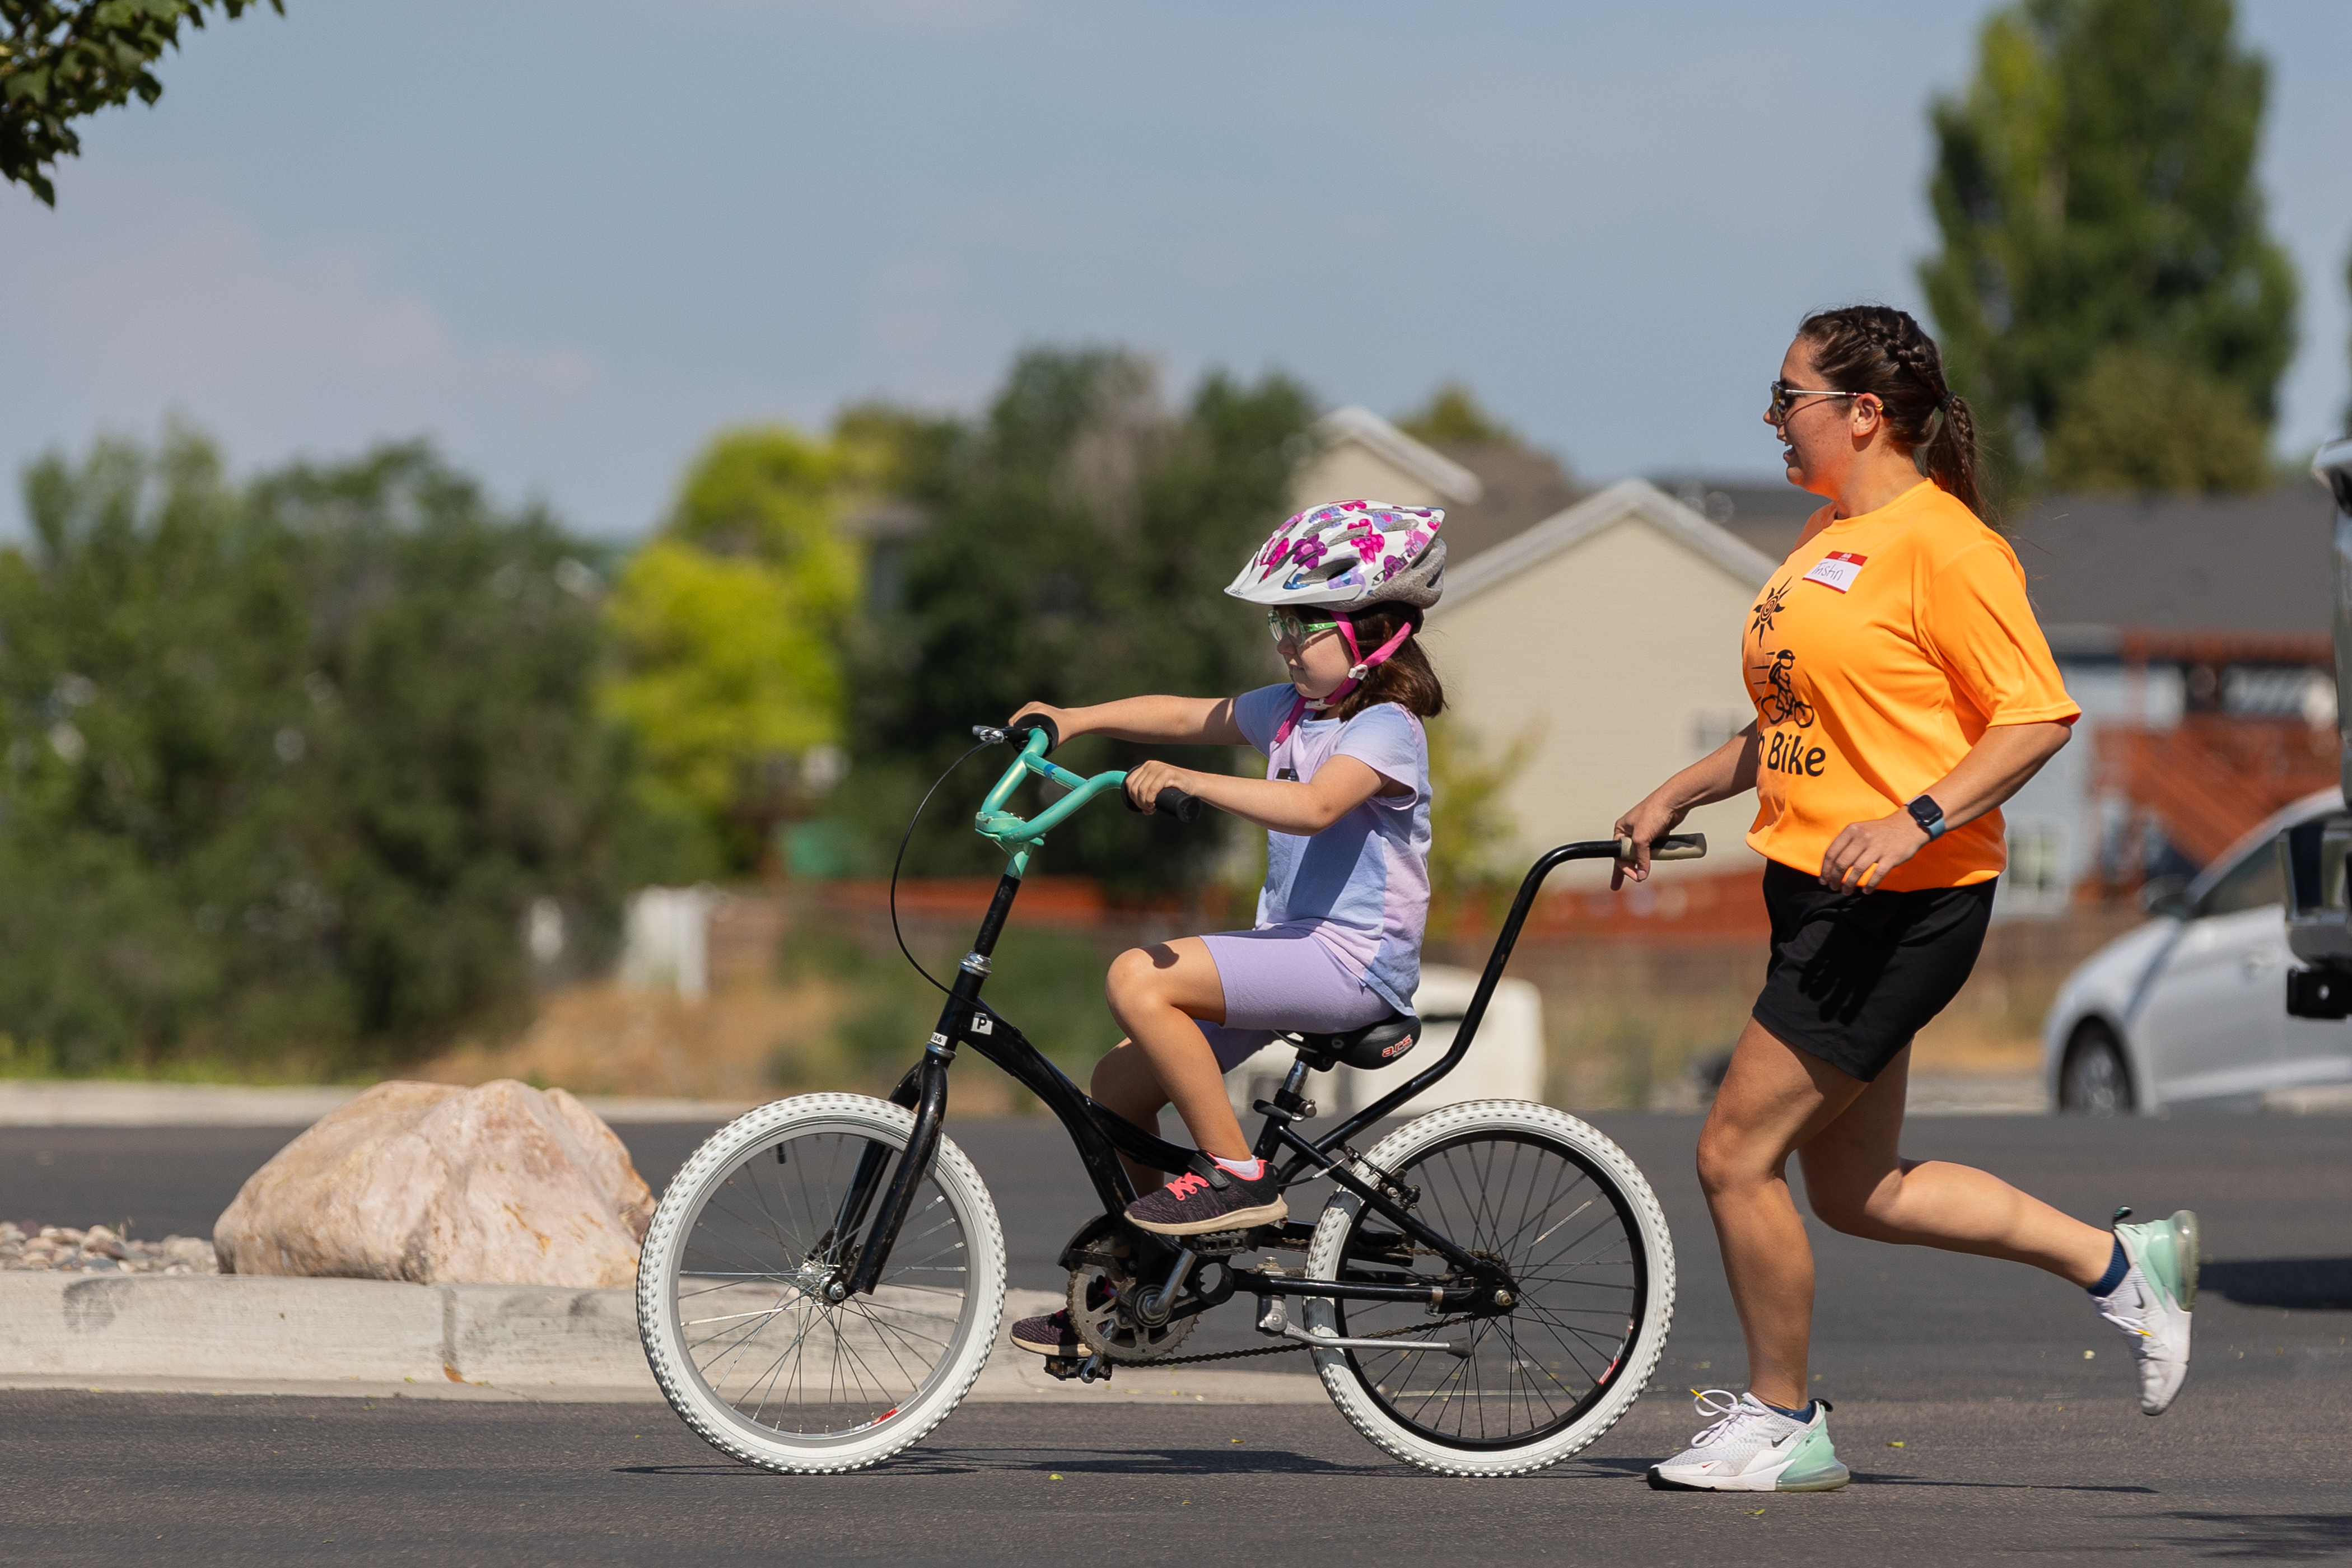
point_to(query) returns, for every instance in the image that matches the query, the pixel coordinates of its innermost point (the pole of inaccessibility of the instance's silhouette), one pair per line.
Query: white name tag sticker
(1837, 570)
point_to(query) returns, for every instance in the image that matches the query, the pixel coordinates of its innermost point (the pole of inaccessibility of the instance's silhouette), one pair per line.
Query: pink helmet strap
(1361, 667)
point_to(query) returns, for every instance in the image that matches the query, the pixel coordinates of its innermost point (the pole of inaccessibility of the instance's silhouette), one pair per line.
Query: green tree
(729, 627)
(1081, 537)
(1471, 831)
(1453, 417)
(286, 763)
(2139, 422)
(60, 63)
(2095, 188)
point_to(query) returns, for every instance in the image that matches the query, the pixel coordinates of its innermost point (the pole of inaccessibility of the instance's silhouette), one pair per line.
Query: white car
(2191, 1007)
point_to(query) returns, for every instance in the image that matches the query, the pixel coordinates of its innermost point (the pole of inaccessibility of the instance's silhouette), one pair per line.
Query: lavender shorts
(1283, 977)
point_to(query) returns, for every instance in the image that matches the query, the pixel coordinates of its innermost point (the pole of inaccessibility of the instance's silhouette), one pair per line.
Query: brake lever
(989, 735)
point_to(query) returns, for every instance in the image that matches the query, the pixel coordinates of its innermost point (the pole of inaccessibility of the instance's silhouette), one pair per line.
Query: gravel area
(99, 1251)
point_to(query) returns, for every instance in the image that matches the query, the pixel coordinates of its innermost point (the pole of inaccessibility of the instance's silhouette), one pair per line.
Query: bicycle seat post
(1289, 1105)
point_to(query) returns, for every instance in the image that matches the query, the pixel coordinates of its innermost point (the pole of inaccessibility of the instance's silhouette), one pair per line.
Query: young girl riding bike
(1345, 804)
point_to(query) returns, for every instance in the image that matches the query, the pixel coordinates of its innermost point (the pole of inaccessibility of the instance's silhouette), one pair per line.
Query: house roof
(1626, 498)
(1441, 473)
(2099, 565)
(1522, 486)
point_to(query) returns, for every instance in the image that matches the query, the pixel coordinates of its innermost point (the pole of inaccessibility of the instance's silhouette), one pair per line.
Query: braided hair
(1882, 351)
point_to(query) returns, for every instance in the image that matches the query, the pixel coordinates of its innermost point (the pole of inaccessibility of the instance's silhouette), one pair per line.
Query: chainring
(1115, 1335)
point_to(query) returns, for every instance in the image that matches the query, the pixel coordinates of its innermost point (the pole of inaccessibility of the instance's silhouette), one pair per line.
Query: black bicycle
(1486, 1291)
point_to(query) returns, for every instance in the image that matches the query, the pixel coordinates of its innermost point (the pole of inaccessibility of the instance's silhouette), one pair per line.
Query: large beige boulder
(429, 1182)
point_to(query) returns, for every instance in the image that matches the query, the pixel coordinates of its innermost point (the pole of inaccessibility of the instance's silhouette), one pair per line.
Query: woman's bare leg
(1773, 1098)
(1861, 1184)
(1156, 993)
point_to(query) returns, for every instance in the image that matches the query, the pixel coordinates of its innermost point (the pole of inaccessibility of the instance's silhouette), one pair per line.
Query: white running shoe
(2152, 1305)
(1752, 1447)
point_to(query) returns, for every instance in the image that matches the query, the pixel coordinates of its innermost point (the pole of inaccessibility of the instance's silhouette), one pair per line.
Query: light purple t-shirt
(1361, 885)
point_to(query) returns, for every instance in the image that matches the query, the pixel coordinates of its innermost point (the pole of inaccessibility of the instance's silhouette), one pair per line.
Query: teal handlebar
(1014, 834)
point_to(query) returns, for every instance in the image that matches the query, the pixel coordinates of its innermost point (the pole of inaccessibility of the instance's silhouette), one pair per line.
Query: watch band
(1929, 815)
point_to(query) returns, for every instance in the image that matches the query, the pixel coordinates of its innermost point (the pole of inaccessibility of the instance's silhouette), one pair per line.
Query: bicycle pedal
(1062, 1367)
(1218, 1243)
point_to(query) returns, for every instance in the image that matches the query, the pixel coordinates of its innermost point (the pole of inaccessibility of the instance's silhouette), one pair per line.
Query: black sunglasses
(1784, 399)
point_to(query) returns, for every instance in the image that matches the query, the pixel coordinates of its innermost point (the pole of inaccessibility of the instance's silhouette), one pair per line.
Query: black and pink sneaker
(1053, 1333)
(1193, 1204)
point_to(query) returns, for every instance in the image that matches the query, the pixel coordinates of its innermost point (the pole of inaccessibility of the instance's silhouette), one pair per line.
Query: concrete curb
(377, 1339)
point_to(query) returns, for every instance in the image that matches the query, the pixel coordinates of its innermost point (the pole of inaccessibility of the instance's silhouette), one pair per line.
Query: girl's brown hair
(1407, 678)
(1880, 350)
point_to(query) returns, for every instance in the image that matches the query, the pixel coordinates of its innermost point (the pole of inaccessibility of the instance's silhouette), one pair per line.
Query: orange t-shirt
(1878, 655)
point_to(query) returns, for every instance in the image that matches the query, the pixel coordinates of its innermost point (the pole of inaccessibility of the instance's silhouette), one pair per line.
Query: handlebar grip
(1173, 802)
(1169, 802)
(1673, 846)
(1040, 721)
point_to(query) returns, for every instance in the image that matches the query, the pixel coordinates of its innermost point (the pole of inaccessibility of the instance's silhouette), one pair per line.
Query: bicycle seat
(1373, 1046)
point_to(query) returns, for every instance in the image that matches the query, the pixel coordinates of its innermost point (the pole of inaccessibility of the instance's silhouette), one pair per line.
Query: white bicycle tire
(1341, 1378)
(666, 1344)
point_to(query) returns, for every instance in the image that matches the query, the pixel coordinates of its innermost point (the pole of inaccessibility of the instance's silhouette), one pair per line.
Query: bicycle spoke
(1566, 1237)
(749, 1296)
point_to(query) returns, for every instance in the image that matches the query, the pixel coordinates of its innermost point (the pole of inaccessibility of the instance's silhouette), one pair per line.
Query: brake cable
(907, 839)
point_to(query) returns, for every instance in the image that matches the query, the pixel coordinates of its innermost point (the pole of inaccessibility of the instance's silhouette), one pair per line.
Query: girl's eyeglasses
(1289, 626)
(1784, 399)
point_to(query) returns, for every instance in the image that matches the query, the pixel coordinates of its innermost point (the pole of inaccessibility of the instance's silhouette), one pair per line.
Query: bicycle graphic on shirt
(1780, 704)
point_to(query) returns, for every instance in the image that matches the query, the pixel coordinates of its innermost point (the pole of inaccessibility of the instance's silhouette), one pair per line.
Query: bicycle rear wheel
(1569, 1216)
(732, 1303)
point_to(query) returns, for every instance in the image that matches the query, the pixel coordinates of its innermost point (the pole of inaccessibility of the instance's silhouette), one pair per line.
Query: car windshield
(2252, 884)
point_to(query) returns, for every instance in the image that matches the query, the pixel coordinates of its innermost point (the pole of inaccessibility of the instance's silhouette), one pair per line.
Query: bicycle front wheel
(1563, 1210)
(732, 1288)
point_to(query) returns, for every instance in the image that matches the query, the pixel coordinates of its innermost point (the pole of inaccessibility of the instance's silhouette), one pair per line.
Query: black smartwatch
(1929, 815)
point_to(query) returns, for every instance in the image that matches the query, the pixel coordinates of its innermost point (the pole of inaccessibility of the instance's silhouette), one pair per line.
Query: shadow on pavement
(1863, 1479)
(1236, 1460)
(2310, 1284)
(2274, 1537)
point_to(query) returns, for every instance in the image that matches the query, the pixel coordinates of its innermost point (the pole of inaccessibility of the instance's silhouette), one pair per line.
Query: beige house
(1605, 635)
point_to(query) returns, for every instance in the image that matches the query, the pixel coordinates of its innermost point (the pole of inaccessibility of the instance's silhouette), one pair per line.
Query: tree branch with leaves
(61, 63)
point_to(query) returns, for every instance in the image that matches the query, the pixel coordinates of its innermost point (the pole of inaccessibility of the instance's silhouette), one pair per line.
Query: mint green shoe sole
(1814, 1466)
(2168, 1251)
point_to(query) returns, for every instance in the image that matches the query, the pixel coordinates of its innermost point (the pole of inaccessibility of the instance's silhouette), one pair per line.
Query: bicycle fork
(930, 1083)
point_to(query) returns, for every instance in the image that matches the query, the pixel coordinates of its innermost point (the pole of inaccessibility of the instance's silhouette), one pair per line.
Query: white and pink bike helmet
(1344, 557)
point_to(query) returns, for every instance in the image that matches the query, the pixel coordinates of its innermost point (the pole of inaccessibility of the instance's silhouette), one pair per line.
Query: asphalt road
(2012, 1441)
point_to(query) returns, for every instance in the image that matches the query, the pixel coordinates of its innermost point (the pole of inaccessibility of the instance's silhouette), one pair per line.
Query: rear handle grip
(1673, 846)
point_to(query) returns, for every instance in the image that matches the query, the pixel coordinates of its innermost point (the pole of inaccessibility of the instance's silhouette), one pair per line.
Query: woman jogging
(1903, 691)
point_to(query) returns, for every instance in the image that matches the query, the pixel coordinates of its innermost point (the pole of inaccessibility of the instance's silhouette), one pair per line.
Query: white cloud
(154, 298)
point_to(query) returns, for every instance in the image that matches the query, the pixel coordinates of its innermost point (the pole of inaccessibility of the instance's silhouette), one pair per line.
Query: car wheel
(2095, 1081)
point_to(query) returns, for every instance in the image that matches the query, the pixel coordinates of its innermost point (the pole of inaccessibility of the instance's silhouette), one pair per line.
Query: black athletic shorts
(1853, 975)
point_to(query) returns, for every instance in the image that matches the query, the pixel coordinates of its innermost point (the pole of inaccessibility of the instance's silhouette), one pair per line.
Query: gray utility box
(2313, 855)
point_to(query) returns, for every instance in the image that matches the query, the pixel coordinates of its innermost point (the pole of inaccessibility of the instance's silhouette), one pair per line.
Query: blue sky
(568, 240)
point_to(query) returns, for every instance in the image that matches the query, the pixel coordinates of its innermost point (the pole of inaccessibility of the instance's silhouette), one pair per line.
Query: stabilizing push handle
(1169, 802)
(1673, 846)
